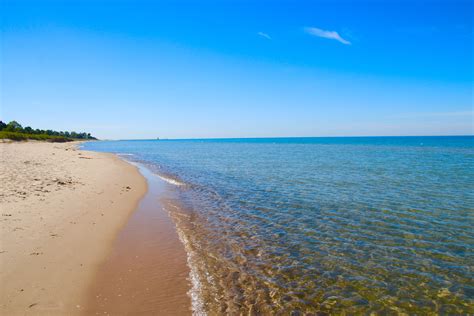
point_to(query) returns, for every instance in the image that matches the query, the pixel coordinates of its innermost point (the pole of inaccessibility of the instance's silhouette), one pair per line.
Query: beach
(85, 232)
(146, 271)
(61, 211)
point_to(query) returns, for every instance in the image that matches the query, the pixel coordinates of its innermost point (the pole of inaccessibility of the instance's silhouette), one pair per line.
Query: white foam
(166, 179)
(194, 293)
(169, 180)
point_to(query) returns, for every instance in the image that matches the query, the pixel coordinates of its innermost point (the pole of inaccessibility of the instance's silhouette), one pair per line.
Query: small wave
(170, 180)
(154, 170)
(125, 154)
(194, 293)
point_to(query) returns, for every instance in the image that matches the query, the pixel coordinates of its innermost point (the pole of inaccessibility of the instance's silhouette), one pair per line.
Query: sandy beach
(61, 210)
(146, 272)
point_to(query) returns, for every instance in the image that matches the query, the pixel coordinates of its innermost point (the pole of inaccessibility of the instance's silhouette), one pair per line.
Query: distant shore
(61, 210)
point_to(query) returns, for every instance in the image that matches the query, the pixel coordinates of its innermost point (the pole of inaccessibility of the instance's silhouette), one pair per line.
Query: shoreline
(146, 270)
(62, 209)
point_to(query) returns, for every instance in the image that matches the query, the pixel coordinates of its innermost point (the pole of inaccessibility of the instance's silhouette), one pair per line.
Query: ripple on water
(329, 226)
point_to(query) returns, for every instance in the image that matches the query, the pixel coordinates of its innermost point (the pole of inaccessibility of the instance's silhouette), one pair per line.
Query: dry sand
(61, 209)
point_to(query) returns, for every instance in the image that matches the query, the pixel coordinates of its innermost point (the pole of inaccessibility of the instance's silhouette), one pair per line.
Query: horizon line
(283, 137)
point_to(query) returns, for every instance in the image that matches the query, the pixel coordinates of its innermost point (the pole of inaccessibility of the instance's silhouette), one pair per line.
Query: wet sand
(61, 210)
(146, 271)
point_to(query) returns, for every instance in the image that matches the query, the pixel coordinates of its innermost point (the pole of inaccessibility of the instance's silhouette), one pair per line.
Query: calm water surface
(322, 225)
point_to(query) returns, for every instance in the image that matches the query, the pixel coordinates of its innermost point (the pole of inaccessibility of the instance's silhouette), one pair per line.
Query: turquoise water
(322, 225)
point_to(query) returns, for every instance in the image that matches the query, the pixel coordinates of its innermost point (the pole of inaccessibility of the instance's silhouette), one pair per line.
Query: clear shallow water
(323, 225)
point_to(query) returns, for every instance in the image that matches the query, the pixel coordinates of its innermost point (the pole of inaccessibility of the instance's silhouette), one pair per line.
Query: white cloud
(326, 34)
(264, 35)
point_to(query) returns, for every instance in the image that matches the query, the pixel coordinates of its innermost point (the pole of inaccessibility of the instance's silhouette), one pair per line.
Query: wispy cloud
(265, 35)
(326, 34)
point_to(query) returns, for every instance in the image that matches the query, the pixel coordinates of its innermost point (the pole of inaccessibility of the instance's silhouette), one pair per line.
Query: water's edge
(149, 268)
(365, 225)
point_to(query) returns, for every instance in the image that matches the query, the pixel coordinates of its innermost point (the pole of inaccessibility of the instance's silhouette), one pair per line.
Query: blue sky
(185, 69)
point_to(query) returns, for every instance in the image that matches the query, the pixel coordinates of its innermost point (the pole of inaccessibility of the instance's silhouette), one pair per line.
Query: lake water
(321, 225)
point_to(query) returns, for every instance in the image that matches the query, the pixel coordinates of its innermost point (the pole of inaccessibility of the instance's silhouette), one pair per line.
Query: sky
(204, 69)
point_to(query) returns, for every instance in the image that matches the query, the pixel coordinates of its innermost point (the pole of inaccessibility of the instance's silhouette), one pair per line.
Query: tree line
(15, 127)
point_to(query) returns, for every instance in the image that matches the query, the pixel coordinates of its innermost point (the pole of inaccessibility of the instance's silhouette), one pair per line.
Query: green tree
(13, 126)
(49, 134)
